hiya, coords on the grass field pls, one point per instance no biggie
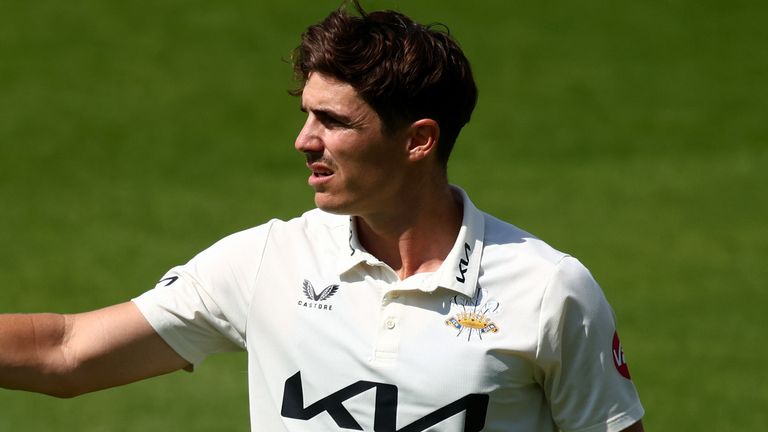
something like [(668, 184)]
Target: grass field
[(634, 136)]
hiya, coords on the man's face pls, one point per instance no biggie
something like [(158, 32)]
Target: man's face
[(356, 169)]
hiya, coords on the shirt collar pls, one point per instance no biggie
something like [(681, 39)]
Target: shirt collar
[(354, 253), (460, 269)]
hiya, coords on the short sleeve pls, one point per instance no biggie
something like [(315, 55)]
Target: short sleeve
[(585, 379), (201, 308)]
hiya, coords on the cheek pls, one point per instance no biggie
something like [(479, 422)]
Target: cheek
[(383, 154), (367, 160), (375, 165)]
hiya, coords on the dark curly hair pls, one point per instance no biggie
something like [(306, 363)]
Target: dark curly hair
[(404, 70)]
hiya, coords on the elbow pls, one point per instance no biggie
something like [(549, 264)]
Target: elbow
[(66, 388), (63, 393), (62, 387), (63, 382)]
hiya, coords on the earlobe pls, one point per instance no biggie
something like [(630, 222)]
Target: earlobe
[(423, 140)]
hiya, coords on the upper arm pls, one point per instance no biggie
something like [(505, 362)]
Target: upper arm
[(585, 377), (113, 346)]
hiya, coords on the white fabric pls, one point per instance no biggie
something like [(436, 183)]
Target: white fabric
[(302, 296)]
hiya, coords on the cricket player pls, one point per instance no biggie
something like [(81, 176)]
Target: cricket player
[(395, 305)]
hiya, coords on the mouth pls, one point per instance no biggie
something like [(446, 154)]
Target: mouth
[(320, 173)]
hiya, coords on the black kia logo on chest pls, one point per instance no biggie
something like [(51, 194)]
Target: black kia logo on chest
[(385, 406)]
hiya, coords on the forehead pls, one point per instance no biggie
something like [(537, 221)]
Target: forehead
[(323, 92)]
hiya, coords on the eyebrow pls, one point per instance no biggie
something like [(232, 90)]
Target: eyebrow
[(328, 113)]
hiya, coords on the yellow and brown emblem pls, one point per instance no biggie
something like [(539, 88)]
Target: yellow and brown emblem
[(473, 317)]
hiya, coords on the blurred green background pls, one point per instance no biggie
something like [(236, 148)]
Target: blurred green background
[(632, 135)]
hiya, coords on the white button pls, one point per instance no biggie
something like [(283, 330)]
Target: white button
[(390, 324)]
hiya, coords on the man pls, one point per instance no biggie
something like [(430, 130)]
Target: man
[(395, 305)]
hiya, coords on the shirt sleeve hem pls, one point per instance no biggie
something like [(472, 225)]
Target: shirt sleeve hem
[(618, 422), (186, 351)]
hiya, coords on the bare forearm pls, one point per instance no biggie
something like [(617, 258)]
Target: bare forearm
[(115, 346), (31, 357), (68, 355)]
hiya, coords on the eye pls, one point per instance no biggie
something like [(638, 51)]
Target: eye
[(329, 121)]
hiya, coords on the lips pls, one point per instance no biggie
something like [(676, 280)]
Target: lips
[(321, 173), (319, 169)]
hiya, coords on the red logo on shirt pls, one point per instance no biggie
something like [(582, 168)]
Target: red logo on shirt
[(618, 357)]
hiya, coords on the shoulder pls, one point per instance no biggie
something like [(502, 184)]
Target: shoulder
[(510, 247), (523, 265), (311, 223), (314, 226)]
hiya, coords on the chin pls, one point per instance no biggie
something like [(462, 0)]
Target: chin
[(330, 205)]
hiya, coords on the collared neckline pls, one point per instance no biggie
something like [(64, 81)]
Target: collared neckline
[(461, 267), (354, 253)]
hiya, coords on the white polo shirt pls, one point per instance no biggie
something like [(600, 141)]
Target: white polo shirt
[(507, 335)]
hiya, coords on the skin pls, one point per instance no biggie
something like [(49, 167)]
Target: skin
[(68, 355), (405, 211), (393, 185)]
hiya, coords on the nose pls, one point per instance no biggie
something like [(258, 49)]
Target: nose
[(308, 141)]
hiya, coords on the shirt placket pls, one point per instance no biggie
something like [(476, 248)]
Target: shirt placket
[(387, 348)]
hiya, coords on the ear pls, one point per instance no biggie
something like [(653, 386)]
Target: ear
[(423, 136)]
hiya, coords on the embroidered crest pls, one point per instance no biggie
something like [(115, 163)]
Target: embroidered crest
[(316, 299), (309, 291), (473, 315)]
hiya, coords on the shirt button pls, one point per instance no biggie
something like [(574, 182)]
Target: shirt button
[(390, 324)]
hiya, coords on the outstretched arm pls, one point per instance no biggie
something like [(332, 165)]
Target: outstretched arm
[(68, 355)]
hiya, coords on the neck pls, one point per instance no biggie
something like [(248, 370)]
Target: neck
[(416, 236)]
